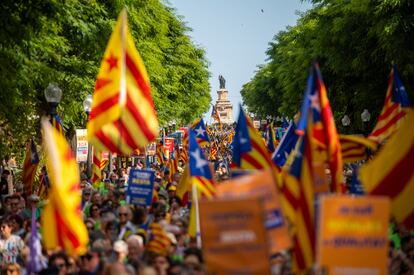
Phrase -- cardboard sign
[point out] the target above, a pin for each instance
(261, 184)
(81, 145)
(140, 186)
(353, 234)
(234, 239)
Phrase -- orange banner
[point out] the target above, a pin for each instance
(234, 240)
(261, 184)
(353, 234)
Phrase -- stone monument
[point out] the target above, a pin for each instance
(223, 104)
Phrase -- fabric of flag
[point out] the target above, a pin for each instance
(172, 167)
(390, 172)
(201, 133)
(30, 164)
(200, 172)
(249, 152)
(44, 185)
(325, 140)
(123, 116)
(62, 220)
(184, 186)
(286, 145)
(285, 123)
(298, 190)
(158, 241)
(57, 123)
(356, 186)
(160, 153)
(98, 164)
(270, 138)
(36, 261)
(184, 148)
(216, 116)
(396, 99)
(356, 148)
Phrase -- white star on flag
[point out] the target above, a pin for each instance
(314, 99)
(200, 163)
(200, 131)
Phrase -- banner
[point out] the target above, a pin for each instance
(234, 239)
(353, 234)
(81, 145)
(261, 184)
(140, 186)
(169, 145)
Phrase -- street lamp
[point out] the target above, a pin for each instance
(53, 95)
(365, 117)
(87, 106)
(346, 121)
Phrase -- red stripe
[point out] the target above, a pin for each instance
(101, 82)
(105, 105)
(264, 154)
(387, 111)
(389, 124)
(248, 158)
(300, 261)
(289, 196)
(107, 142)
(142, 84)
(409, 220)
(63, 231)
(142, 124)
(125, 135)
(396, 180)
(206, 183)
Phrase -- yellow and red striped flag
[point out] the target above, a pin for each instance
(98, 164)
(355, 148)
(158, 242)
(391, 172)
(30, 164)
(62, 220)
(396, 100)
(123, 116)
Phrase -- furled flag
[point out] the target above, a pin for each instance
(160, 152)
(201, 133)
(30, 164)
(62, 220)
(325, 141)
(44, 185)
(123, 116)
(184, 148)
(298, 188)
(57, 123)
(36, 261)
(200, 172)
(158, 241)
(356, 148)
(390, 173)
(286, 145)
(216, 116)
(271, 141)
(249, 152)
(184, 186)
(98, 164)
(396, 100)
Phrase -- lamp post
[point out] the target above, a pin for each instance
(87, 106)
(365, 117)
(53, 95)
(346, 121)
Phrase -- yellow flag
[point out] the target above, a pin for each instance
(62, 221)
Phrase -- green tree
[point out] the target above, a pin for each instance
(64, 41)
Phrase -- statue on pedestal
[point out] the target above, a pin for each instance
(222, 82)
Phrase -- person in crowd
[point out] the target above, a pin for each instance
(125, 224)
(11, 246)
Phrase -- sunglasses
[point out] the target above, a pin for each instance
(87, 257)
(123, 214)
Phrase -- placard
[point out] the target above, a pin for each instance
(261, 184)
(140, 186)
(353, 234)
(233, 236)
(81, 145)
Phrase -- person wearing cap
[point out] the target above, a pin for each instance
(171, 191)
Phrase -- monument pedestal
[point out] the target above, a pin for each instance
(224, 107)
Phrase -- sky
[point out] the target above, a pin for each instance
(235, 35)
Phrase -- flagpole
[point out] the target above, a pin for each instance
(198, 233)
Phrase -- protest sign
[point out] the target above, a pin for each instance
(140, 186)
(81, 145)
(261, 184)
(234, 239)
(353, 234)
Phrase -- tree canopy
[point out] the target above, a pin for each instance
(64, 41)
(355, 42)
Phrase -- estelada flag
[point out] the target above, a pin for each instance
(30, 164)
(391, 172)
(123, 116)
(62, 221)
